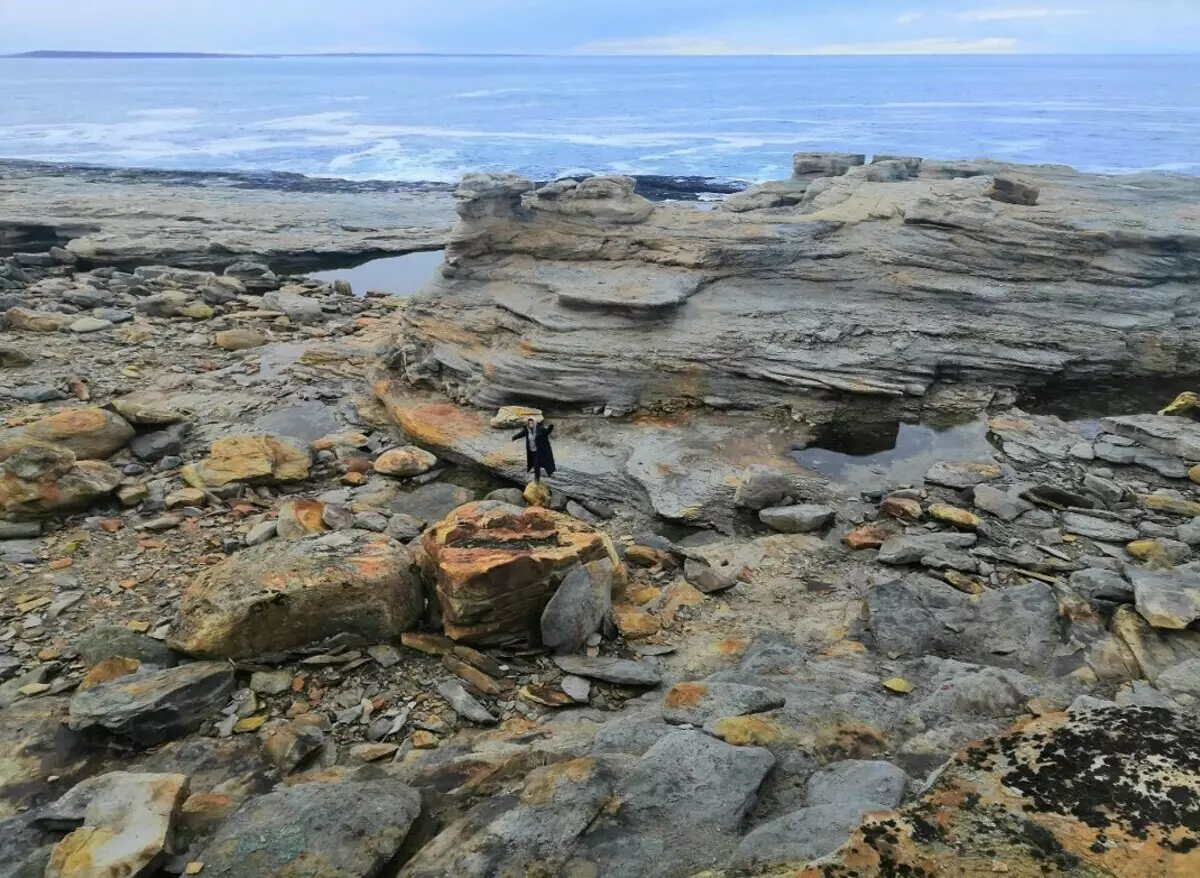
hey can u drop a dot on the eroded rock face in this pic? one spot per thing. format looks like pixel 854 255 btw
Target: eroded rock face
pixel 1039 797
pixel 281 595
pixel 566 288
pixel 496 566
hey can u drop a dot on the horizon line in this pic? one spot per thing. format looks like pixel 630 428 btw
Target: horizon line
pixel 86 54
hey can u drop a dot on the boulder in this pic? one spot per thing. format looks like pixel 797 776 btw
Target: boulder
pixel 279 596
pixel 774 193
pixel 761 487
pixel 796 838
pixel 1098 584
pixel 430 503
pixel 496 567
pixel 160 443
pixel 43 479
pixel 239 339
pixel 872 782
pixel 298 308
pixel 809 165
pixel 300 518
pixel 33 321
pixel 116 641
pixel 1155 650
pixel 797 519
pixel 537 494
pixel 1005 505
pixel 332 830
pixel 256 458
pixel 512 417
pixel 290 745
pixel 1097 792
pixel 708 579
pixel 404 462
pixel 150 707
pixel 1167 599
pixel 91 433
pixel 127 827
pixel 578 607
pixel 254 276
pixel 40 758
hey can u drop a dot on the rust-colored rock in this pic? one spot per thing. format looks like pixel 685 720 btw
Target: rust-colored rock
pixel 300 518
pixel 496 566
pixel 869 536
pixel 91 433
pixel 259 458
pixel 901 507
pixel 406 461
pixel 281 595
pixel 110 669
pixel 44 479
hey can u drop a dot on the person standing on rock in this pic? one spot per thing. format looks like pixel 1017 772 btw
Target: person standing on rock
pixel 538 453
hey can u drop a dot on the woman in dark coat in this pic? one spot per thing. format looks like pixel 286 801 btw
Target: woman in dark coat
pixel 538 453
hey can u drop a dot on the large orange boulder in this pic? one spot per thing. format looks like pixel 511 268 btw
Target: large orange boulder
pixel 90 433
pixel 496 566
pixel 281 595
pixel 41 478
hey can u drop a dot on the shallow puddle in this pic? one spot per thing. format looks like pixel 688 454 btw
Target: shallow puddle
pixel 916 447
pixel 398 275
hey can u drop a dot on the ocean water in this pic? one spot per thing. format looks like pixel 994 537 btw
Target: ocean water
pixel 435 118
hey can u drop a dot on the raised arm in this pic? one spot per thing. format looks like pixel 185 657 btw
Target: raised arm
pixel 549 429
pixel 519 435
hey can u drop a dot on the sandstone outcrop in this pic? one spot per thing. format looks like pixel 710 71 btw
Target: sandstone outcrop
pixel 279 596
pixel 589 295
pixel 496 566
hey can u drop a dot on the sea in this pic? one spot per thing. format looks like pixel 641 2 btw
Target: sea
pixel 434 118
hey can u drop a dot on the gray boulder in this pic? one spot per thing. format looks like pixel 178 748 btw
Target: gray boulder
pixel 870 782
pixel 160 443
pixel 801 836
pixel 1181 682
pixel 578 607
pixel 633 734
pixel 960 474
pixel 1102 529
pixel 1005 505
pixel 150 707
pixel 1102 585
pixel 761 487
pixel 431 503
pixel 797 519
pixel 1167 600
pixel 348 829
pixel 299 309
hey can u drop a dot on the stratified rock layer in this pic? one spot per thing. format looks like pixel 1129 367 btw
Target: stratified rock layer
pixel 882 281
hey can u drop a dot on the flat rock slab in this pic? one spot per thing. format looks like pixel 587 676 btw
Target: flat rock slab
pixel 464 704
pixel 699 703
pixel 1178 437
pixel 611 670
pixel 322 830
pixel 151 707
pixel 1167 600
pixel 1102 529
pixel 577 609
pixel 912 549
pixel 127 827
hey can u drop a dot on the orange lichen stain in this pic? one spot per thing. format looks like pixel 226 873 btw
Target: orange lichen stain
pixel 841 649
pixel 731 647
pixel 662 468
pixel 685 695
pixel 749 731
pixel 849 741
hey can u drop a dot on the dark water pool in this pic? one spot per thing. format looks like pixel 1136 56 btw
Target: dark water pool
pixel 398 275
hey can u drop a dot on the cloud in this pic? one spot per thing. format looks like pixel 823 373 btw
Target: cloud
pixel 699 45
pixel 1026 13
pixel 910 17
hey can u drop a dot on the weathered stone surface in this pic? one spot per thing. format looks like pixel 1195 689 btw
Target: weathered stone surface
pixel 42 479
pixel 761 487
pixel 333 830
pixel 797 519
pixel 1155 650
pixel 1104 585
pixel 40 758
pixel 279 596
pixel 127 827
pixel 1013 190
pixel 701 702
pixel 911 549
pixel 259 458
pixel 874 782
pixel 1107 793
pixel 1167 599
pixel 1101 529
pixel 116 641
pixel 804 835
pixel 577 609
pixel 1178 437
pixel 239 339
pixel 710 579
pixel 297 307
pixel 300 518
pixel 959 475
pixel 151 707
pixel 611 670
pixel 1005 505
pixel 288 746
pixel 406 461
pixel 430 503
pixel 496 567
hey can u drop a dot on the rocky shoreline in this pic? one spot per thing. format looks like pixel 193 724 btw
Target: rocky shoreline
pixel 274 598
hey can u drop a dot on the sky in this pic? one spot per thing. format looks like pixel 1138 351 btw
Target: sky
pixel 609 27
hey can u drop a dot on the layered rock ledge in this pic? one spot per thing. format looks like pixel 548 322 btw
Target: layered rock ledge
pixel 886 280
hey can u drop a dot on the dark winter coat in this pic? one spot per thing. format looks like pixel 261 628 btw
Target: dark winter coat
pixel 545 454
